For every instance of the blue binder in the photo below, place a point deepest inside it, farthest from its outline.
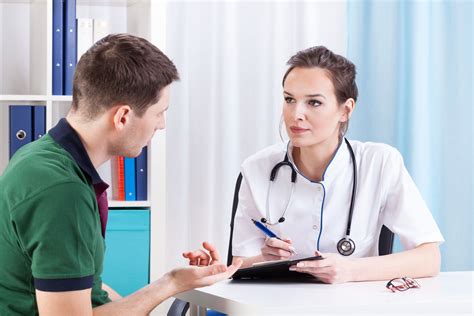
(20, 126)
(141, 174)
(70, 45)
(129, 170)
(58, 31)
(39, 121)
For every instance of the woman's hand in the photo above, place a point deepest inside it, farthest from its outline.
(333, 268)
(276, 249)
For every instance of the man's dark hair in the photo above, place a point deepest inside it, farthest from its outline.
(340, 70)
(121, 69)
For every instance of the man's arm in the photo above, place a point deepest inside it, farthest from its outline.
(113, 295)
(141, 302)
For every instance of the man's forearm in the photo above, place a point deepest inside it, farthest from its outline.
(141, 302)
(423, 261)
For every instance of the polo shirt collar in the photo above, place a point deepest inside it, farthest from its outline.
(68, 138)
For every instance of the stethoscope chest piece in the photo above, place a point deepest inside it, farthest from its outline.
(346, 246)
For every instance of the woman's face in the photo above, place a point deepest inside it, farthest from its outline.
(310, 110)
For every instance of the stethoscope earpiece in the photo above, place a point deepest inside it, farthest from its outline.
(264, 220)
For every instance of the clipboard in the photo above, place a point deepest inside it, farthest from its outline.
(274, 270)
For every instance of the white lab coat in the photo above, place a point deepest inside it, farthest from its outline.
(317, 216)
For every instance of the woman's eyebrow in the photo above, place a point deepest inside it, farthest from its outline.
(308, 95)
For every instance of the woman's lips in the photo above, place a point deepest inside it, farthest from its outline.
(298, 130)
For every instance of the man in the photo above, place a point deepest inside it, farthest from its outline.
(53, 207)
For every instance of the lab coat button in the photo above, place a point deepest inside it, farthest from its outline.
(315, 227)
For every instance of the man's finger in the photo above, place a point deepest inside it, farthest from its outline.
(215, 256)
(198, 254)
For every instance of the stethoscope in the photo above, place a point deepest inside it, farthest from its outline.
(346, 245)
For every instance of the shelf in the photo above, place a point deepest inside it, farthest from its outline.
(64, 98)
(113, 3)
(126, 204)
(110, 3)
(42, 98)
(22, 97)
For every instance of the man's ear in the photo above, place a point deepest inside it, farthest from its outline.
(121, 116)
(348, 108)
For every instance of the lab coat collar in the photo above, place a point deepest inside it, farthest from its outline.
(340, 158)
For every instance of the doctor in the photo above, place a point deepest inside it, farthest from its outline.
(343, 191)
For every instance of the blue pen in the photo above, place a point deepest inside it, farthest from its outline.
(269, 233)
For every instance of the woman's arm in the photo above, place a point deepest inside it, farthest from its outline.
(422, 261)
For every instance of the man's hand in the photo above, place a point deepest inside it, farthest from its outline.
(205, 269)
(333, 268)
(191, 277)
(202, 258)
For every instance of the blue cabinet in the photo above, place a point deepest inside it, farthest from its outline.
(127, 254)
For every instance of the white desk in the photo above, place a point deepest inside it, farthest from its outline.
(450, 293)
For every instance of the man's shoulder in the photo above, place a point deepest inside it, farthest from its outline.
(38, 167)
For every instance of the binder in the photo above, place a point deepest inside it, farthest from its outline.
(101, 29)
(85, 35)
(130, 189)
(39, 121)
(20, 127)
(70, 45)
(58, 33)
(141, 175)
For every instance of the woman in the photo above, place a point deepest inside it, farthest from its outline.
(319, 97)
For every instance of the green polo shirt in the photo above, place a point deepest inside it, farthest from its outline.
(50, 229)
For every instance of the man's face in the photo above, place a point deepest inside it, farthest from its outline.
(141, 129)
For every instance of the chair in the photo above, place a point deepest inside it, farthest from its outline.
(179, 307)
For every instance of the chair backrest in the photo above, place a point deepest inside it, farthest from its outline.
(385, 239)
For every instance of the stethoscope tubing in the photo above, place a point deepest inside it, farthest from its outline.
(346, 245)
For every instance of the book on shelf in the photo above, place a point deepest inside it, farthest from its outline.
(130, 183)
(118, 177)
(128, 177)
(141, 171)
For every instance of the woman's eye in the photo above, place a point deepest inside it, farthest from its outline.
(314, 103)
(289, 100)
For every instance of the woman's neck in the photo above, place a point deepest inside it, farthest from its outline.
(313, 160)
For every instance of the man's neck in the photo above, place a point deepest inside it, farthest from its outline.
(312, 161)
(93, 137)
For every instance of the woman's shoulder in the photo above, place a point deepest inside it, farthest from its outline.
(267, 155)
(371, 151)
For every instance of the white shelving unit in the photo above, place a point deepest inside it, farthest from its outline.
(26, 79)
